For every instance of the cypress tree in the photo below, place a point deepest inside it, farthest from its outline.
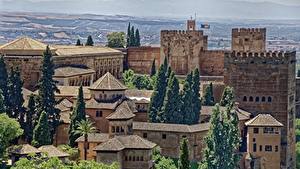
(2, 105)
(47, 87)
(128, 36)
(132, 37)
(222, 140)
(208, 99)
(187, 100)
(89, 41)
(184, 162)
(171, 108)
(30, 118)
(153, 69)
(196, 104)
(227, 96)
(78, 43)
(77, 116)
(137, 38)
(158, 94)
(41, 132)
(3, 80)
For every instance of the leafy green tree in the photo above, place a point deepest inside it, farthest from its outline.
(184, 162)
(165, 163)
(157, 98)
(89, 41)
(116, 40)
(47, 87)
(30, 118)
(222, 140)
(196, 104)
(77, 116)
(170, 112)
(10, 129)
(153, 69)
(137, 38)
(128, 76)
(78, 42)
(2, 105)
(208, 99)
(128, 36)
(298, 155)
(3, 80)
(187, 100)
(227, 96)
(84, 127)
(297, 130)
(132, 37)
(73, 152)
(41, 132)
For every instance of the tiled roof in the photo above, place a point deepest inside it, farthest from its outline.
(63, 50)
(119, 143)
(72, 91)
(71, 71)
(123, 111)
(108, 82)
(242, 114)
(264, 120)
(94, 104)
(23, 149)
(24, 43)
(95, 137)
(163, 127)
(52, 151)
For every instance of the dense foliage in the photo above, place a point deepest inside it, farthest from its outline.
(153, 69)
(78, 42)
(89, 41)
(184, 162)
(116, 40)
(41, 132)
(227, 96)
(3, 80)
(208, 98)
(133, 37)
(132, 80)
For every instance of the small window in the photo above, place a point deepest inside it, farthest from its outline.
(254, 139)
(141, 158)
(276, 148)
(254, 147)
(118, 129)
(126, 158)
(256, 130)
(113, 129)
(263, 99)
(137, 158)
(164, 136)
(184, 136)
(260, 148)
(98, 113)
(245, 98)
(129, 158)
(257, 99)
(246, 39)
(88, 146)
(133, 158)
(250, 99)
(269, 99)
(268, 148)
(145, 135)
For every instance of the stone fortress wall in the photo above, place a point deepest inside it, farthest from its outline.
(249, 39)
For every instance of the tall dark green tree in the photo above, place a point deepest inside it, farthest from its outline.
(208, 98)
(89, 41)
(30, 118)
(184, 162)
(77, 116)
(170, 112)
(137, 38)
(47, 87)
(3, 80)
(196, 104)
(128, 35)
(132, 37)
(153, 69)
(2, 105)
(158, 94)
(187, 100)
(78, 43)
(222, 141)
(41, 132)
(227, 96)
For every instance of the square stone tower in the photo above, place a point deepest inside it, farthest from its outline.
(265, 83)
(249, 39)
(183, 48)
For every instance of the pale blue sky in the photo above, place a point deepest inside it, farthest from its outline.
(252, 9)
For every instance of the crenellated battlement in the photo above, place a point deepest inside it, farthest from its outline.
(182, 32)
(270, 57)
(249, 30)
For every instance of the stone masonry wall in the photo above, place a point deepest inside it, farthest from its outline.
(249, 39)
(211, 63)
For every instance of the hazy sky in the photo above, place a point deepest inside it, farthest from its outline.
(252, 9)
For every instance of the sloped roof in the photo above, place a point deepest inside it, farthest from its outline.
(72, 91)
(123, 111)
(24, 43)
(119, 143)
(52, 151)
(94, 104)
(23, 149)
(242, 114)
(95, 137)
(108, 82)
(71, 71)
(63, 50)
(264, 120)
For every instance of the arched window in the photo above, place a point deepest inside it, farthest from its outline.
(257, 99)
(105, 96)
(245, 98)
(269, 99)
(250, 99)
(263, 99)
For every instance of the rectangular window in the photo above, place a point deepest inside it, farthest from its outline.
(260, 148)
(145, 135)
(256, 130)
(268, 148)
(254, 139)
(98, 113)
(254, 147)
(276, 148)
(269, 130)
(164, 136)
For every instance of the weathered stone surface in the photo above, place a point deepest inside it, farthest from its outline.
(249, 40)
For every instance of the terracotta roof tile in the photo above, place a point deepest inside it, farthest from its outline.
(24, 43)
(23, 149)
(71, 71)
(52, 151)
(123, 111)
(108, 82)
(242, 114)
(95, 137)
(264, 120)
(63, 50)
(94, 104)
(72, 91)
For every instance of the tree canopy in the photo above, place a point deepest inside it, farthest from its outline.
(184, 162)
(208, 98)
(41, 132)
(89, 41)
(116, 40)
(133, 37)
(227, 96)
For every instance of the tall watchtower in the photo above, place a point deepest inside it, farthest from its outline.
(191, 24)
(249, 39)
(264, 83)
